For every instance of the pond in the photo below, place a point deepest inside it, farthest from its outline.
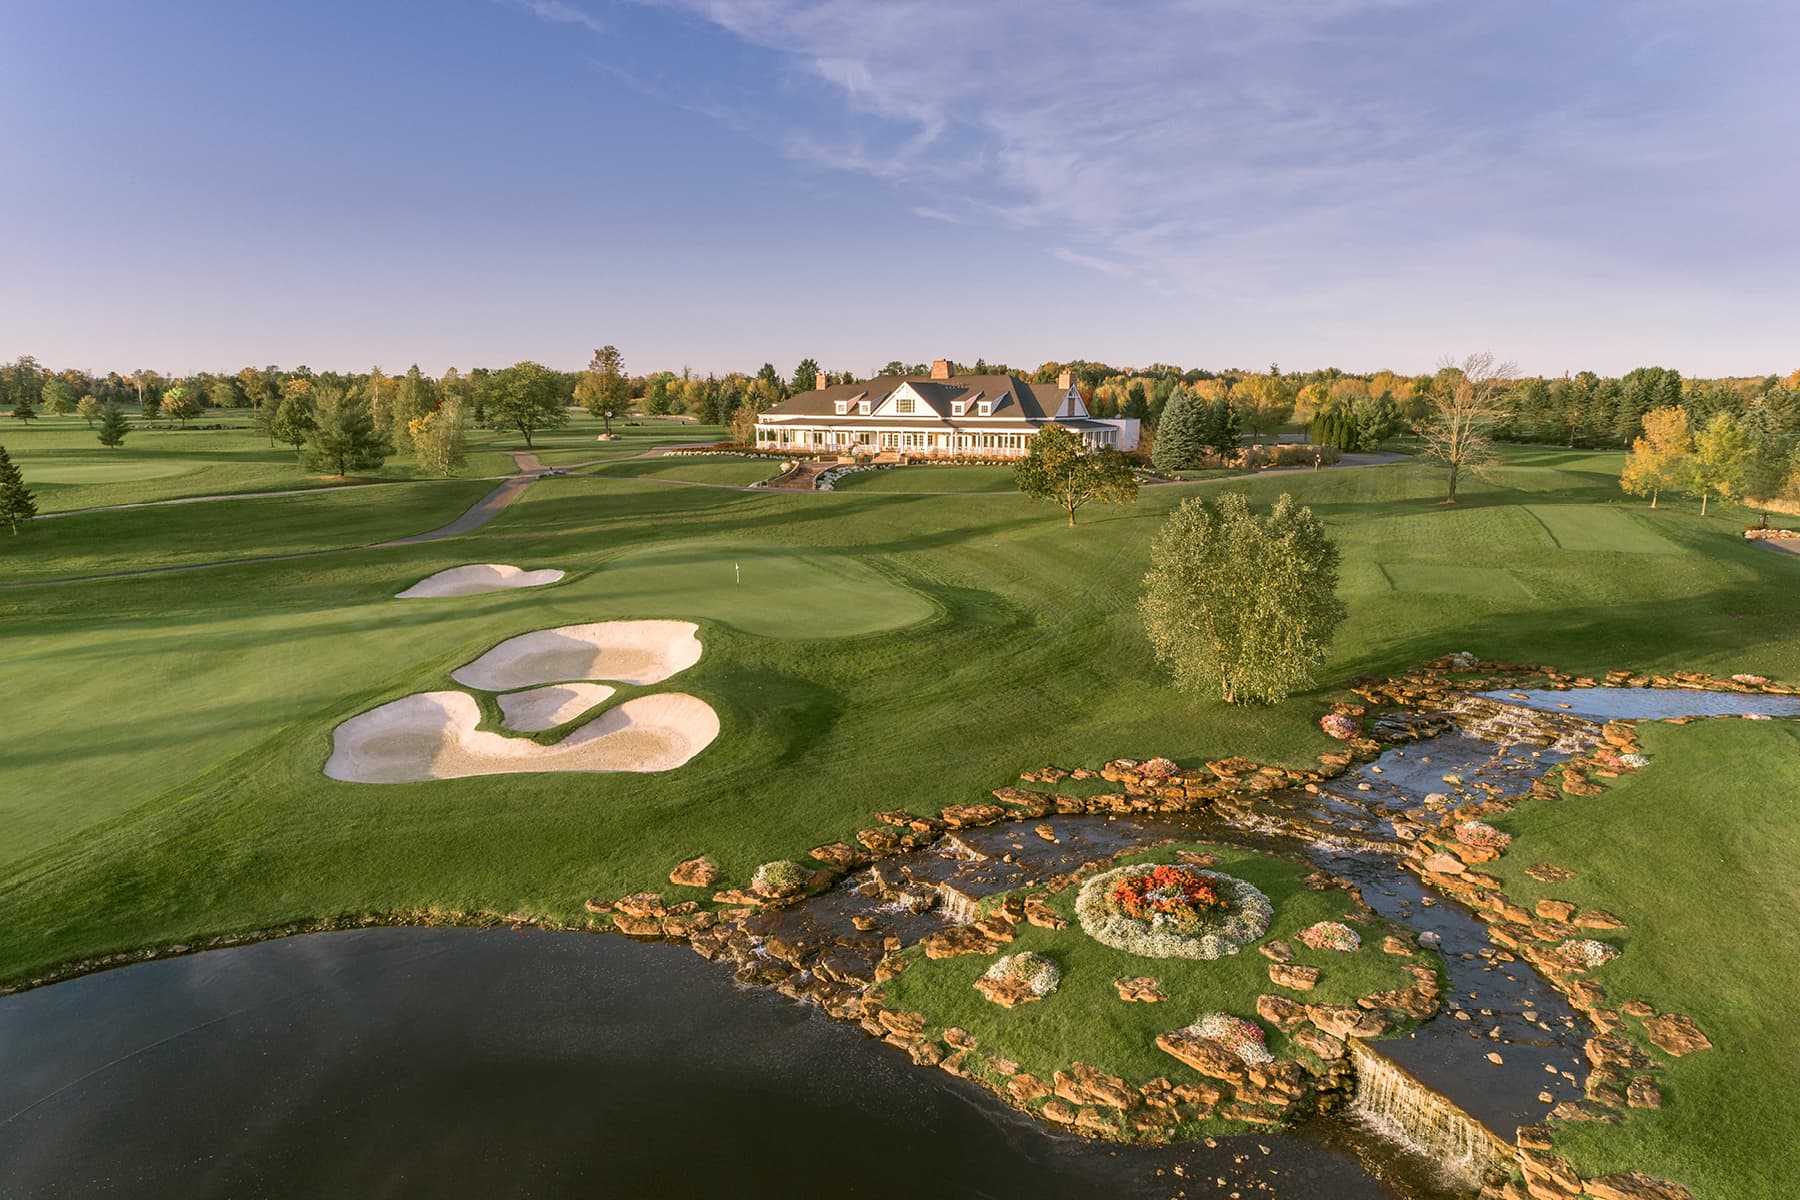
(442, 1062)
(1618, 703)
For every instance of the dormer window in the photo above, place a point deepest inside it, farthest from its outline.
(987, 408)
(863, 408)
(843, 406)
(957, 407)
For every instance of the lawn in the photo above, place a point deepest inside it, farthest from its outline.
(926, 478)
(1085, 1021)
(1696, 853)
(720, 469)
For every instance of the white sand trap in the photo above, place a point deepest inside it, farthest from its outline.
(432, 735)
(547, 707)
(639, 652)
(477, 578)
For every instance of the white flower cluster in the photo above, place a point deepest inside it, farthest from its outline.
(1033, 970)
(1237, 1035)
(1588, 952)
(1247, 919)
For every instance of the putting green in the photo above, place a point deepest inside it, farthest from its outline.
(763, 590)
(1591, 528)
(107, 472)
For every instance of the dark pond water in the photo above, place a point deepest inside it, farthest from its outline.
(415, 1062)
(1609, 703)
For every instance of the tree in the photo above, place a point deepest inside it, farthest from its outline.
(59, 398)
(603, 389)
(258, 388)
(1662, 457)
(113, 426)
(414, 396)
(1721, 451)
(24, 407)
(806, 375)
(1464, 404)
(1180, 433)
(438, 440)
(1137, 403)
(1264, 401)
(1060, 466)
(181, 403)
(529, 397)
(87, 408)
(222, 393)
(16, 503)
(343, 437)
(292, 421)
(1240, 601)
(1223, 434)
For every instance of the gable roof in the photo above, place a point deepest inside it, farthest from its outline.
(1012, 398)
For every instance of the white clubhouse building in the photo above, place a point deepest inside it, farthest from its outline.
(983, 416)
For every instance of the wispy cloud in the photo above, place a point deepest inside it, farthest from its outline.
(560, 12)
(1104, 265)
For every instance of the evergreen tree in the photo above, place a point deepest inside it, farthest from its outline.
(24, 407)
(113, 426)
(344, 437)
(1178, 434)
(16, 503)
(1224, 432)
(1137, 404)
(806, 375)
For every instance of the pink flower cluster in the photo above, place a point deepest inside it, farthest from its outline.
(1331, 935)
(1480, 833)
(1160, 768)
(1338, 725)
(1243, 1038)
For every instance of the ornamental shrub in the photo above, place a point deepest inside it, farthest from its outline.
(780, 878)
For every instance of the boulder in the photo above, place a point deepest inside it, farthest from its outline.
(696, 872)
(1642, 1092)
(1025, 1087)
(1443, 864)
(1555, 910)
(1598, 918)
(1277, 951)
(1141, 990)
(1007, 993)
(1634, 1185)
(955, 941)
(1319, 1042)
(1083, 1084)
(1042, 915)
(1675, 1034)
(1204, 1055)
(1281, 1012)
(1293, 975)
(837, 854)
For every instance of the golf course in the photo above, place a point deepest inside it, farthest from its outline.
(914, 640)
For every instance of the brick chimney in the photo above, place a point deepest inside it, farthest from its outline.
(1064, 380)
(940, 369)
(820, 381)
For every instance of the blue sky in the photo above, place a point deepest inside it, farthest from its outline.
(1361, 183)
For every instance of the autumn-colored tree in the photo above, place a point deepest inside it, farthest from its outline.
(438, 440)
(1662, 457)
(1059, 466)
(181, 403)
(603, 390)
(1464, 404)
(1721, 452)
(87, 408)
(1264, 401)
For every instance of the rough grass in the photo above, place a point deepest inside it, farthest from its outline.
(1085, 1021)
(1697, 854)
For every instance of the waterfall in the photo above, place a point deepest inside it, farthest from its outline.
(956, 905)
(1394, 1105)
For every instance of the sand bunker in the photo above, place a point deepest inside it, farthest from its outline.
(640, 652)
(433, 735)
(476, 578)
(547, 707)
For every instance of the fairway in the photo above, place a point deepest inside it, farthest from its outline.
(931, 479)
(732, 472)
(1592, 529)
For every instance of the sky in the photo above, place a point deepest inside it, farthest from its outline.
(1366, 184)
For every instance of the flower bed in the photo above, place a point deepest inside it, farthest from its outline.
(1772, 535)
(1168, 910)
(1331, 935)
(1243, 1038)
(1480, 833)
(1587, 952)
(1338, 726)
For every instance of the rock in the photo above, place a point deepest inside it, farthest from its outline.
(1443, 864)
(696, 872)
(1293, 975)
(1056, 1110)
(1045, 832)
(1346, 1020)
(738, 896)
(1636, 1008)
(863, 924)
(1555, 910)
(1598, 918)
(1548, 1176)
(964, 816)
(638, 926)
(641, 904)
(1634, 1185)
(1141, 990)
(1025, 1087)
(1003, 1066)
(955, 941)
(1082, 1084)
(1493, 1056)
(1204, 1055)
(1642, 1092)
(1042, 915)
(1007, 993)
(1611, 1050)
(1393, 945)
(837, 854)
(596, 905)
(1281, 1012)
(1319, 1042)
(1676, 1034)
(1277, 951)
(1549, 873)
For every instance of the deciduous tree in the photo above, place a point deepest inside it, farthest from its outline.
(59, 398)
(16, 502)
(1242, 602)
(1059, 466)
(87, 408)
(438, 440)
(1464, 403)
(529, 397)
(1662, 457)
(181, 404)
(603, 389)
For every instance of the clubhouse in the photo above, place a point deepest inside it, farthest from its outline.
(939, 415)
